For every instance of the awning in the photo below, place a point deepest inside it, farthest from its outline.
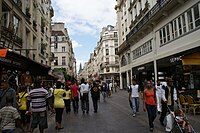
(192, 59)
(14, 60)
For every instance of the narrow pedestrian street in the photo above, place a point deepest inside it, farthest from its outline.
(114, 116)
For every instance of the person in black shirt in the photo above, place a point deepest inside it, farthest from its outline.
(95, 92)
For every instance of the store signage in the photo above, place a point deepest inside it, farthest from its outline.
(12, 62)
(141, 68)
(175, 59)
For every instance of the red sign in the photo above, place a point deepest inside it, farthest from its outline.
(3, 52)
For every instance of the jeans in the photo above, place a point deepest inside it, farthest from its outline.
(85, 102)
(75, 104)
(135, 103)
(95, 103)
(151, 111)
(9, 131)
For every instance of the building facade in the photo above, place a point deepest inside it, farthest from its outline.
(159, 39)
(62, 50)
(107, 60)
(25, 29)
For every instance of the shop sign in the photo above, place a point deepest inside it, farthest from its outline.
(141, 68)
(175, 59)
(12, 62)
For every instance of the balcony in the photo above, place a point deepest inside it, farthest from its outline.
(7, 35)
(123, 47)
(18, 3)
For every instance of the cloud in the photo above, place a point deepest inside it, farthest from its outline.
(75, 44)
(85, 16)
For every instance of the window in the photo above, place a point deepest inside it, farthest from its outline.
(175, 29)
(106, 45)
(168, 33)
(5, 19)
(107, 69)
(164, 35)
(16, 24)
(107, 60)
(63, 60)
(161, 41)
(197, 16)
(190, 20)
(107, 51)
(180, 26)
(115, 34)
(63, 49)
(184, 23)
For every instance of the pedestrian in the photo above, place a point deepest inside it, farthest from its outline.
(38, 96)
(22, 107)
(134, 92)
(95, 93)
(169, 97)
(104, 89)
(67, 99)
(84, 91)
(149, 104)
(75, 99)
(6, 90)
(159, 96)
(59, 104)
(9, 116)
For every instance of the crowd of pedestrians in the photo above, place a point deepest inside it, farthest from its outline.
(158, 98)
(28, 107)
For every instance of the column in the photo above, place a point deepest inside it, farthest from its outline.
(155, 70)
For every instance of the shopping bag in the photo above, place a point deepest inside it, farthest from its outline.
(169, 122)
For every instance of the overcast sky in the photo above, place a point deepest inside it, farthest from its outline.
(84, 20)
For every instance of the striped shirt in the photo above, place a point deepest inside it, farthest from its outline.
(38, 99)
(8, 115)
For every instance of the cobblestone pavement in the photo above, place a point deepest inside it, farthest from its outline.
(114, 116)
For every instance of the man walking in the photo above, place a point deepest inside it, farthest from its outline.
(38, 97)
(169, 96)
(84, 90)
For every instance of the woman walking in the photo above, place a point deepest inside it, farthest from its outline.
(59, 104)
(149, 104)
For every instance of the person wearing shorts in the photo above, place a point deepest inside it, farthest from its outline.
(38, 97)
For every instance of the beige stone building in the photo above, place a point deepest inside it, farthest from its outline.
(25, 29)
(159, 39)
(61, 47)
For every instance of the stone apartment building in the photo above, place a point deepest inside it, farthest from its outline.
(159, 39)
(62, 50)
(25, 29)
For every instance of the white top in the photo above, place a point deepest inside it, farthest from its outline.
(135, 90)
(159, 91)
(84, 88)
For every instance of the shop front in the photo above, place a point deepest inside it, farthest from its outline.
(19, 67)
(19, 64)
(143, 73)
(184, 68)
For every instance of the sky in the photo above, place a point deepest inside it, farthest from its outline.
(84, 20)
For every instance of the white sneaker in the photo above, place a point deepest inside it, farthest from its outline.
(133, 115)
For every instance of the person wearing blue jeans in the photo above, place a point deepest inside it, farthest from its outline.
(134, 93)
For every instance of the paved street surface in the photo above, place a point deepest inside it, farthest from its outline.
(114, 116)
